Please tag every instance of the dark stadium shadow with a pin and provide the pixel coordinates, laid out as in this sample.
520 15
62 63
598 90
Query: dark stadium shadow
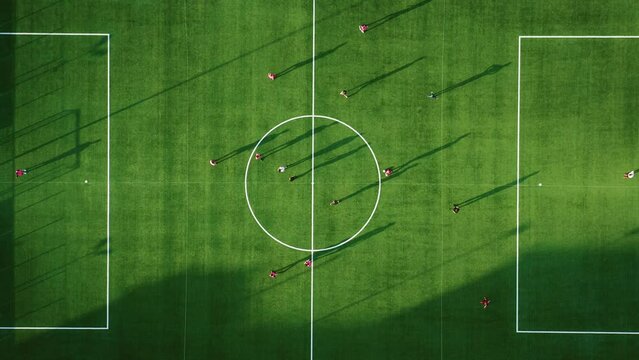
357 88
13 21
333 160
308 61
235 59
75 152
334 146
7 181
249 147
494 191
295 140
493 69
391 16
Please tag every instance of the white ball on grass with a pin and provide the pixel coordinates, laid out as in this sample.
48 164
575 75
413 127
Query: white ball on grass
86 181
539 184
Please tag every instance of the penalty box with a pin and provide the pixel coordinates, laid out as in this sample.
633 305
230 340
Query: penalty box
107 38
521 228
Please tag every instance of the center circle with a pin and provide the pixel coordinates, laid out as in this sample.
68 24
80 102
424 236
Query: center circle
311 250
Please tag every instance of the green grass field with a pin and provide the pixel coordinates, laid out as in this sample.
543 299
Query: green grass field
122 242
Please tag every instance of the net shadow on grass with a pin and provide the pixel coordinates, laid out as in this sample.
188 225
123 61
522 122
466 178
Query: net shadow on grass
381 21
357 88
309 60
491 70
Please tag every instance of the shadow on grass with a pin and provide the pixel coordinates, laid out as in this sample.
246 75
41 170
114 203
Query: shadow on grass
493 69
308 61
381 21
494 191
357 88
401 169
333 160
295 140
334 146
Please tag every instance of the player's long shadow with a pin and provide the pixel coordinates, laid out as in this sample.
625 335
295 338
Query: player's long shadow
494 191
39 201
357 88
333 160
491 70
73 152
233 60
325 150
249 147
399 170
391 16
309 60
323 254
295 140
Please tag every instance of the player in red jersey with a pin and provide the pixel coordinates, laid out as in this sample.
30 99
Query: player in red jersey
273 274
388 171
363 28
258 156
21 172
308 263
271 76
485 301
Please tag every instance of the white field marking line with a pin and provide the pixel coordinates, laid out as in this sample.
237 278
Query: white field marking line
517 202
108 229
186 248
55 34
578 332
579 36
108 176
51 328
248 201
312 182
441 194
518 186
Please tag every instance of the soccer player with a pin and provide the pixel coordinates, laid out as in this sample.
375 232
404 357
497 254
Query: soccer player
213 162
292 178
629 175
334 202
258 156
271 76
21 172
388 171
363 28
432 95
456 208
485 301
273 274
344 93
308 263
281 169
